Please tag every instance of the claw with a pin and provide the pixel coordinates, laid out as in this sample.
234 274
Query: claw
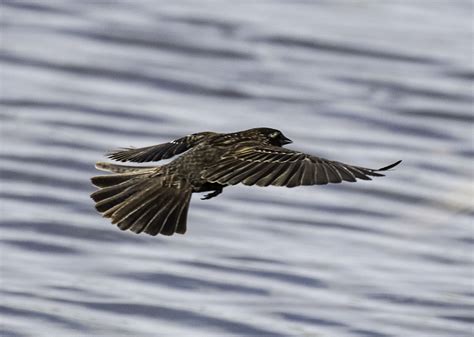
212 195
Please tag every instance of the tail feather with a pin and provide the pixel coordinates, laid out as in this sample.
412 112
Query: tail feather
158 221
143 202
140 199
128 214
181 228
139 224
137 217
171 222
113 179
107 192
175 218
118 198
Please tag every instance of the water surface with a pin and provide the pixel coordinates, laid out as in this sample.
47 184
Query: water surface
362 82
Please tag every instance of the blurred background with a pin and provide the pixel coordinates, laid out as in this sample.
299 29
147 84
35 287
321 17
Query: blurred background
364 82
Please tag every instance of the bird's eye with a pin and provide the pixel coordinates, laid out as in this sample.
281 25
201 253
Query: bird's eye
274 135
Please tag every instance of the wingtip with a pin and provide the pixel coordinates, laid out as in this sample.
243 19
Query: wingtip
115 153
386 168
111 154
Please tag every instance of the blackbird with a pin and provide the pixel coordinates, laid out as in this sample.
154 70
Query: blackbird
155 199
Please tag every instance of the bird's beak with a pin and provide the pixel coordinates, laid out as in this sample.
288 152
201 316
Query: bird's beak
285 140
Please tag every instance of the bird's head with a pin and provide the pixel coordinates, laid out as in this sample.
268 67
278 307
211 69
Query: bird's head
273 136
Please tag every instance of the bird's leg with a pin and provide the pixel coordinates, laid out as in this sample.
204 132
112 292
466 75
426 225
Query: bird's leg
216 192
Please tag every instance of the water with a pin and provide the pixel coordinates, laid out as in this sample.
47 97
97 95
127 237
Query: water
362 82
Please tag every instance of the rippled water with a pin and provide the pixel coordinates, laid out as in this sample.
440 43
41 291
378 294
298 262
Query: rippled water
363 82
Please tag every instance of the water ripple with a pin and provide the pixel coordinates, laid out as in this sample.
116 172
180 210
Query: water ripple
389 258
177 316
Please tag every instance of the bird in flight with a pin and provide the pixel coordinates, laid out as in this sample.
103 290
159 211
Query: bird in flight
155 199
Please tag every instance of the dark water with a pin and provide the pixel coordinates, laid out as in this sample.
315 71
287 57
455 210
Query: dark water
363 82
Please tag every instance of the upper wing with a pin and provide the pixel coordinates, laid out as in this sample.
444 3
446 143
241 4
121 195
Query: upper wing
160 151
264 165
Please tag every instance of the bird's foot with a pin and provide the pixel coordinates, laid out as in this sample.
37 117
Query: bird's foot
212 195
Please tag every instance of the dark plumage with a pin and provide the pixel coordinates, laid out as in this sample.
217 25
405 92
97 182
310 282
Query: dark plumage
155 199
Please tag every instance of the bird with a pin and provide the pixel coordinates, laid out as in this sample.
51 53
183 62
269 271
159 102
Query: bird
155 199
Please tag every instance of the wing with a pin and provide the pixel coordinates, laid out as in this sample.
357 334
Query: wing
160 151
109 167
271 165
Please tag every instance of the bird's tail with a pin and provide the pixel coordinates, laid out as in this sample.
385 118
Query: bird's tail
142 200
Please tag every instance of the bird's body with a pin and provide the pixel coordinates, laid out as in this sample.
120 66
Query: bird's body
155 199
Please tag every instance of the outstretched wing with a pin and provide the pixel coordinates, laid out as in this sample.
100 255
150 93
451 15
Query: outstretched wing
160 151
271 165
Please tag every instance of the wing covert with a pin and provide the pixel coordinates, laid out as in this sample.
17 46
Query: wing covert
160 151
